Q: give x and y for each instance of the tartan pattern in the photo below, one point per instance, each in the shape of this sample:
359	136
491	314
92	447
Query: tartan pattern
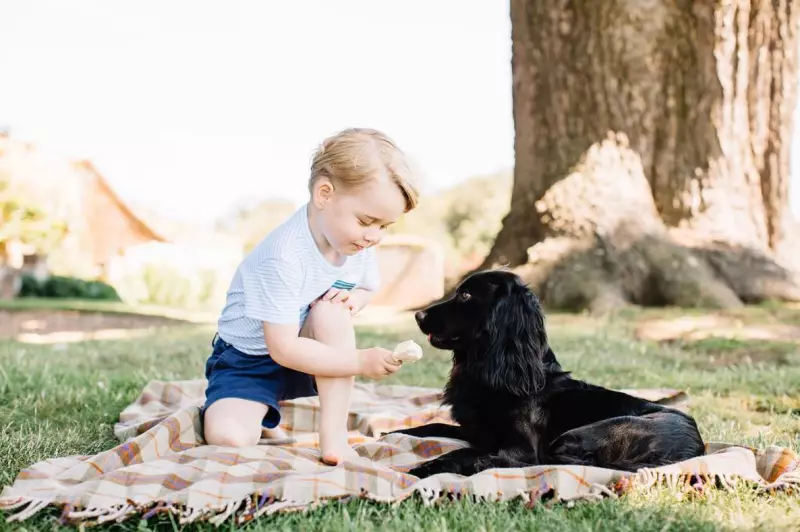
163	465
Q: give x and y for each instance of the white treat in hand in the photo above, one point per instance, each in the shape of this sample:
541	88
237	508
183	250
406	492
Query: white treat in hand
408	351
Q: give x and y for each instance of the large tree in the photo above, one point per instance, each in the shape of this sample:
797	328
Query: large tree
652	151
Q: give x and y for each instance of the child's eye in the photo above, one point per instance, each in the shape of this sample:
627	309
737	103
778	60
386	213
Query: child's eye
362	222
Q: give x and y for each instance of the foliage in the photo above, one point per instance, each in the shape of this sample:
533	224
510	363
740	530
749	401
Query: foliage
191	275
474	213
25	222
253	223
464	219
162	284
67	288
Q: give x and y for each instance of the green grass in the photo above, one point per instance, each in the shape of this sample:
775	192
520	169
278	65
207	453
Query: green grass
62	400
98	305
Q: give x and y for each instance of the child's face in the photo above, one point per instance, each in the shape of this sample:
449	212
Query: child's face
357	219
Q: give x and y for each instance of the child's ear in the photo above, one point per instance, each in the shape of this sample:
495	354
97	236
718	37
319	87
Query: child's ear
323	191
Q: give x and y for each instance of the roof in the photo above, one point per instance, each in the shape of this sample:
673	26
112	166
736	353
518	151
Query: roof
105	188
73	191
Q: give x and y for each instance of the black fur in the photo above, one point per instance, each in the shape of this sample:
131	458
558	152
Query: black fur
516	407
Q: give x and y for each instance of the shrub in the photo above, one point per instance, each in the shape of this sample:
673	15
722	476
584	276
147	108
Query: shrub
190	277
464	219
61	287
30	287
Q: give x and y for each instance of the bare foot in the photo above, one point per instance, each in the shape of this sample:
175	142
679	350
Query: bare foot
275	434
334	458
336	450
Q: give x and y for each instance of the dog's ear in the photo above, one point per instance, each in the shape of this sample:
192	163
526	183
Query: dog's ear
517	342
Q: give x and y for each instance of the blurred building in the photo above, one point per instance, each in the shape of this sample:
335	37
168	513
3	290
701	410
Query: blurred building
149	259
100	225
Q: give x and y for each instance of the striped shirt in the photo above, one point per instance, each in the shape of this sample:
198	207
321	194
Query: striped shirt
277	281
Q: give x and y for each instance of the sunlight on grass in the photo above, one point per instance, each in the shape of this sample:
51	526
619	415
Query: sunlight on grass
58	400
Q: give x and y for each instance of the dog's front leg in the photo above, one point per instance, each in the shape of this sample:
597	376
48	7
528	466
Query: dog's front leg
434	430
468	461
505	459
460	462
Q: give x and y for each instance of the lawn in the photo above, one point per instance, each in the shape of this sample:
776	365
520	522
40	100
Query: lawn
108	307
63	399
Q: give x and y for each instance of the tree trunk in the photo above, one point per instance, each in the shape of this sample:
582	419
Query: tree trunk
652	151
10	271
10	281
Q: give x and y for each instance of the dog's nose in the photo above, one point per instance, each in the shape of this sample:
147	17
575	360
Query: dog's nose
420	315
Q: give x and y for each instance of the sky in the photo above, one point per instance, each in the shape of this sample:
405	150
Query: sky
191	108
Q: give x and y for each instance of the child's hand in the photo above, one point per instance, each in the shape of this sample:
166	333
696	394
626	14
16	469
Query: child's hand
377	362
351	300
337	295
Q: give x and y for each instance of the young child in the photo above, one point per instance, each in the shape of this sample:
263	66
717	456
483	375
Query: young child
286	329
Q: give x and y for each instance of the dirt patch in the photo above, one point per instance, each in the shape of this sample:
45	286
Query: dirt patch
722	340
693	328
779	405
720	352
49	326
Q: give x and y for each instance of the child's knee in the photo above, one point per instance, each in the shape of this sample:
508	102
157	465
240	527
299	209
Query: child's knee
228	433
325	314
328	320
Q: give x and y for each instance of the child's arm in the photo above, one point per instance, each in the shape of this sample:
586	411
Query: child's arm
315	358
271	296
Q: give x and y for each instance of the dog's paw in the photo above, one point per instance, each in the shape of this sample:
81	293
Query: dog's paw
422	471
435	467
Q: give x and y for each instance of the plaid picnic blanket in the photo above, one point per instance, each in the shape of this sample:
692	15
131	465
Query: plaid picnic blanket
163	465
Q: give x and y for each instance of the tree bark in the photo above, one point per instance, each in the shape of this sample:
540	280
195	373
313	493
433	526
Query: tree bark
652	130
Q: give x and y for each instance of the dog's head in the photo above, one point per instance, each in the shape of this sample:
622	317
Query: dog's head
495	327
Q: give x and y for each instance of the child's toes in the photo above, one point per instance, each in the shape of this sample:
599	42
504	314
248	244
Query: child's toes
336	458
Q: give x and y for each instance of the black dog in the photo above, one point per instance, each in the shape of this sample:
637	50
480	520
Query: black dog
516	407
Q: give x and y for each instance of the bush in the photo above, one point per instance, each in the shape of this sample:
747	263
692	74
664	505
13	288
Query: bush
66	288
464	219
163	285
169	287
181	276
30	287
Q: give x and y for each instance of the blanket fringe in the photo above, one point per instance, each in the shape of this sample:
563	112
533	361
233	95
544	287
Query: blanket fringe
34	507
699	482
429	495
13	506
603	490
230	508
257	504
789	482
120	515
191	515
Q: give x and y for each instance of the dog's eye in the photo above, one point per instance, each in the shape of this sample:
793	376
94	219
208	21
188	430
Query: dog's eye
464	296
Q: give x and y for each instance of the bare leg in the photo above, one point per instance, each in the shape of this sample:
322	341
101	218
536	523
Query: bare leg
233	422
331	324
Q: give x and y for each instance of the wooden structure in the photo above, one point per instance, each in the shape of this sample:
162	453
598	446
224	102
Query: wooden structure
99	223
411	270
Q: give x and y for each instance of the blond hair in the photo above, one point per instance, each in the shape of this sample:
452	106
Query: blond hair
354	156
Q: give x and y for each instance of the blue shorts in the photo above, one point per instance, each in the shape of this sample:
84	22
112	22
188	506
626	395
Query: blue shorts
231	373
